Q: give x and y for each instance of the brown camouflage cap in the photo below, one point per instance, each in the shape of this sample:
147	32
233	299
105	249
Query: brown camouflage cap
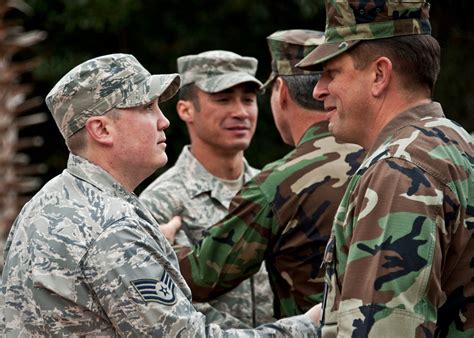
100	84
288	47
217	70
348	22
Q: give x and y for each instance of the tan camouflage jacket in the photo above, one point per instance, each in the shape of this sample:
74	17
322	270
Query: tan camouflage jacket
201	199
84	257
283	217
400	262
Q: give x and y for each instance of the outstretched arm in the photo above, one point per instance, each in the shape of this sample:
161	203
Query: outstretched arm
233	249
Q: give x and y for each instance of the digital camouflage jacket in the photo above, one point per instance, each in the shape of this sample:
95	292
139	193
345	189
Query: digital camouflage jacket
400	259
282	216
187	189
85	258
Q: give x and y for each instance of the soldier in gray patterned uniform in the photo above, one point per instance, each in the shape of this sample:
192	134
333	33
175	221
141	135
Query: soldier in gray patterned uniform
219	106
85	257
400	260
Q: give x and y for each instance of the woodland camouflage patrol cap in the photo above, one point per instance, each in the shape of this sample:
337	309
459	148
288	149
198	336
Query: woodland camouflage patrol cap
348	22
100	84
217	70
288	47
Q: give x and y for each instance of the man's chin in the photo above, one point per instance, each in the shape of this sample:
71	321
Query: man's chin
239	146
162	161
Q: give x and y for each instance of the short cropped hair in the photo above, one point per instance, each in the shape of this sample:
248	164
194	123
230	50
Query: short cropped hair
416	58
300	88
189	93
77	142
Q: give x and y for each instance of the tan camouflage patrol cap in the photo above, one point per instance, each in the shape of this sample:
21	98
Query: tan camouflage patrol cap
348	22
217	70
100	84
288	47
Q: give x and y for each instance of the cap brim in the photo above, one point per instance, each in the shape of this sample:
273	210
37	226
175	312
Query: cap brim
225	81
269	81
161	87
166	86
323	53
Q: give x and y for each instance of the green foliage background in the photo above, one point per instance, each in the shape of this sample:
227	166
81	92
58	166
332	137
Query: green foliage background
157	32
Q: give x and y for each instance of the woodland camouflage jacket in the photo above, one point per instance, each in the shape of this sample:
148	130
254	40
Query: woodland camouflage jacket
400	259
282	216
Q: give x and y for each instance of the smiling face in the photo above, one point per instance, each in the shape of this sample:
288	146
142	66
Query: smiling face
346	93
225	121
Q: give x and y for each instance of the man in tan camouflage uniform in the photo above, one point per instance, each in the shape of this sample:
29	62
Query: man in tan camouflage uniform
283	215
400	262
85	257
218	103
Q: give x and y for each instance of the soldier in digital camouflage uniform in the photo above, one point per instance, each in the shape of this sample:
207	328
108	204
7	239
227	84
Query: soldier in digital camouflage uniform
284	214
218	86
84	257
400	259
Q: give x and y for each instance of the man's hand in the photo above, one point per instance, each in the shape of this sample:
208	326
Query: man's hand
315	313
170	229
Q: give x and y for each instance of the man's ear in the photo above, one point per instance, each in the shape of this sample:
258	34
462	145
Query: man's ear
99	129
185	110
282	91
383	70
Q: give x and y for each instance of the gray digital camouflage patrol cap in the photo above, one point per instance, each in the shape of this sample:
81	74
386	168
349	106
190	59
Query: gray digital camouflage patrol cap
100	84
217	70
287	48
348	22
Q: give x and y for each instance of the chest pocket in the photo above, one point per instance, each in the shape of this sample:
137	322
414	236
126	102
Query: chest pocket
197	218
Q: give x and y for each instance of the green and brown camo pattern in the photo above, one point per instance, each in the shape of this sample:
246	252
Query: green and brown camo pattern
375	19
282	217
288	47
400	259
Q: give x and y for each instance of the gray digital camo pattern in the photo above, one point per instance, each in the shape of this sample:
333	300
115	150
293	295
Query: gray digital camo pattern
217	70
287	48
84	257
400	259
98	85
189	190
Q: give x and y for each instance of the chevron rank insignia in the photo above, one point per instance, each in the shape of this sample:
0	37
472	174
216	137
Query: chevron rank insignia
153	290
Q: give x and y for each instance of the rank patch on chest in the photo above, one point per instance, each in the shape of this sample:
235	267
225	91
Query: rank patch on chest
153	290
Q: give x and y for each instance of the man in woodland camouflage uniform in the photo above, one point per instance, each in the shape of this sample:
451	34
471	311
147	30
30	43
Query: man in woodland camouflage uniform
400	259
284	214
84	257
218	103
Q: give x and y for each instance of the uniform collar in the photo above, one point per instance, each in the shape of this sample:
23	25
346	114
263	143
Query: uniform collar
98	177
318	130
199	180
410	116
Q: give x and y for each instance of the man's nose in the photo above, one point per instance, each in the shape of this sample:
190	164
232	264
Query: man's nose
320	91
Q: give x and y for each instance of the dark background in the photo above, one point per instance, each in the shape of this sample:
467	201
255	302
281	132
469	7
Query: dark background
158	32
